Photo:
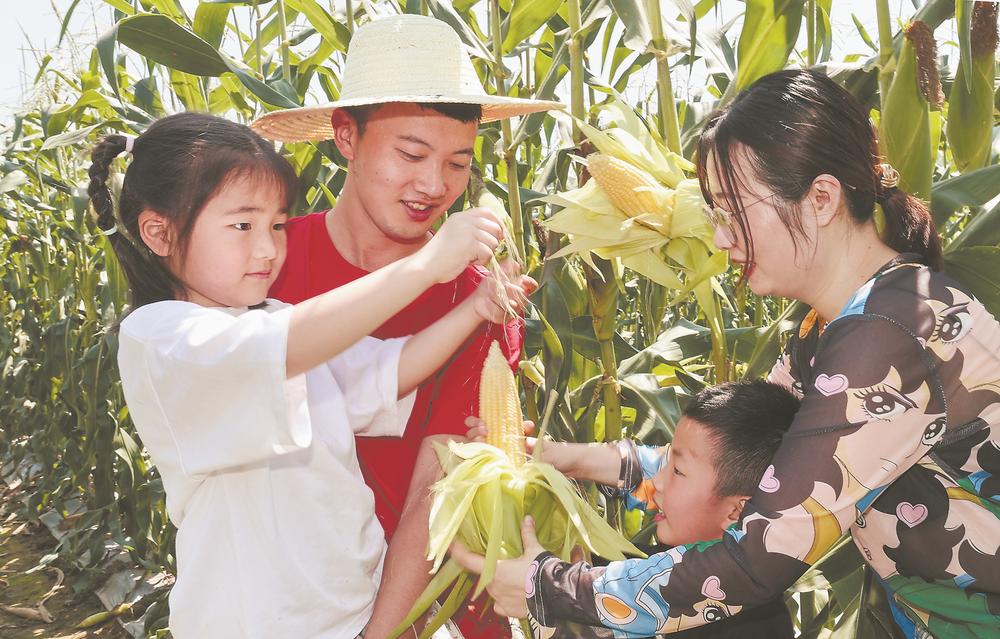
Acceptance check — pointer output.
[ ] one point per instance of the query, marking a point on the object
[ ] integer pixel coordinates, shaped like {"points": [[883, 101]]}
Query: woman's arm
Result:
{"points": [[861, 426]]}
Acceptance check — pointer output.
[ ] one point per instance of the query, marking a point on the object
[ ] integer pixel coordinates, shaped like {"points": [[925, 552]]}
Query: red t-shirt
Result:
{"points": [[314, 266]]}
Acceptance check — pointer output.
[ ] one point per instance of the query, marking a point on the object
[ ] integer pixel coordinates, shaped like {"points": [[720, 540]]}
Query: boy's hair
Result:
{"points": [[456, 111], [178, 164], [745, 421]]}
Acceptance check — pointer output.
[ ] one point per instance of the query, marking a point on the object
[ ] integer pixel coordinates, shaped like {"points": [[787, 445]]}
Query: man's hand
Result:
{"points": [[499, 298], [510, 582]]}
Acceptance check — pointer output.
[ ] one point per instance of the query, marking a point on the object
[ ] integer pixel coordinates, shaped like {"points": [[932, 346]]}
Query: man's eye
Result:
{"points": [[409, 157], [459, 166], [242, 226]]}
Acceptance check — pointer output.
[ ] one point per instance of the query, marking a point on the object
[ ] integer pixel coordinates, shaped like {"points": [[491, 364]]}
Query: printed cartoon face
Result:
{"points": [[951, 323], [883, 401], [707, 611]]}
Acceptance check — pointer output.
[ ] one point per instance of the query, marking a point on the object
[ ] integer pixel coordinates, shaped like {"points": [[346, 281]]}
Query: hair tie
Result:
{"points": [[108, 232], [888, 179], [129, 143]]}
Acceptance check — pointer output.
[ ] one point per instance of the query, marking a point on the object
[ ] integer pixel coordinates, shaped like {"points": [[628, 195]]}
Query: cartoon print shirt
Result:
{"points": [[897, 441]]}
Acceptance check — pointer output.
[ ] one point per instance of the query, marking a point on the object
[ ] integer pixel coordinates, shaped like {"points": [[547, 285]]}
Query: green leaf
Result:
{"points": [[210, 22], [963, 20], [69, 137], [162, 40], [770, 30], [526, 18], [13, 180], [970, 189], [332, 31], [632, 14], [978, 267]]}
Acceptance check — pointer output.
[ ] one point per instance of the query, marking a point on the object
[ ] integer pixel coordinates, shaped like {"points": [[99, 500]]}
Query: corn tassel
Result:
{"points": [[500, 406], [632, 190]]}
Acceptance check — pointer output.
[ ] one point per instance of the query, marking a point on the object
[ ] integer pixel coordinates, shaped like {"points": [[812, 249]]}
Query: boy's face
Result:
{"points": [[407, 168], [690, 511]]}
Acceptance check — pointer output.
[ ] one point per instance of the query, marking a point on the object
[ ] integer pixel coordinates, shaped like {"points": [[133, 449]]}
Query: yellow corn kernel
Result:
{"points": [[632, 190], [500, 406]]}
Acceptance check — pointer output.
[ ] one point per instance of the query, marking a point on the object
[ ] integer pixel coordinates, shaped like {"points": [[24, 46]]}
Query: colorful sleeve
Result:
{"points": [[871, 396], [638, 465]]}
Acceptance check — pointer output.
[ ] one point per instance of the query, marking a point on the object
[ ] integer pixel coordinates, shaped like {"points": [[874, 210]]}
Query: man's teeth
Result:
{"points": [[418, 207]]}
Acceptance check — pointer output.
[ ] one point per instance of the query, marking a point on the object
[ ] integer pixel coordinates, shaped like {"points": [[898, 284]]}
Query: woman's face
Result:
{"points": [[773, 267]]}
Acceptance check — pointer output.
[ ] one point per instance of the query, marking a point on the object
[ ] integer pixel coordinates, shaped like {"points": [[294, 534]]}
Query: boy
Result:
{"points": [[721, 449]]}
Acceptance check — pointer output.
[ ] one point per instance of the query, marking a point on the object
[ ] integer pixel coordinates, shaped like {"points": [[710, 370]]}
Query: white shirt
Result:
{"points": [[277, 535]]}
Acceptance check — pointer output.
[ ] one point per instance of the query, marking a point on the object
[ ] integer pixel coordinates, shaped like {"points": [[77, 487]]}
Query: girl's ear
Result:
{"points": [[346, 133], [156, 232]]}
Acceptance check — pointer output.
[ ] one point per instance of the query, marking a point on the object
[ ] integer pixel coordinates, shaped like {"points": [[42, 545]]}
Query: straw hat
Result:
{"points": [[405, 58]]}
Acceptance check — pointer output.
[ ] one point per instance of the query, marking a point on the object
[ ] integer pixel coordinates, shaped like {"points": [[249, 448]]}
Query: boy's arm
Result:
{"points": [[406, 570], [600, 463]]}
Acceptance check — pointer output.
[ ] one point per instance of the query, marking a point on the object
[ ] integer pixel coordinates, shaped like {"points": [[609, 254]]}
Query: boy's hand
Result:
{"points": [[477, 431], [469, 237]]}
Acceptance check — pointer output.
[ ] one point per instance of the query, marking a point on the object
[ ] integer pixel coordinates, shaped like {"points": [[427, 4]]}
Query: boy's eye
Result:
{"points": [[678, 472], [242, 226]]}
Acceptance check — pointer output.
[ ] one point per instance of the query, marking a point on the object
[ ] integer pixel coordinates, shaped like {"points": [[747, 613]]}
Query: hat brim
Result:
{"points": [[312, 123]]}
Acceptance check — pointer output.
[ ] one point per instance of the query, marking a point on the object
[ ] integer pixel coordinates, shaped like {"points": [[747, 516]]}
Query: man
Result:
{"points": [[406, 123]]}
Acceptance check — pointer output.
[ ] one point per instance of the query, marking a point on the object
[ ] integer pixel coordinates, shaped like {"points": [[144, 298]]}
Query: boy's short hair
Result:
{"points": [[461, 112], [745, 421]]}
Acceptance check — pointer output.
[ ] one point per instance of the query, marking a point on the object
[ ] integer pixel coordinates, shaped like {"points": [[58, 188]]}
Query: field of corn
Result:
{"points": [[636, 311]]}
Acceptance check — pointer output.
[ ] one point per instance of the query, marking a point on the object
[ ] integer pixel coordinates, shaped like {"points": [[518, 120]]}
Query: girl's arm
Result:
{"points": [[322, 327], [429, 349]]}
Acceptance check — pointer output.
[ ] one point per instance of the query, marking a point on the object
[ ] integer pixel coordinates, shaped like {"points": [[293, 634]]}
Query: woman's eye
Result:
{"points": [[883, 402], [242, 226]]}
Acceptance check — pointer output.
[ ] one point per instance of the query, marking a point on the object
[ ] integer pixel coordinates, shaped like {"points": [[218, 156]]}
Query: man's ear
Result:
{"points": [[346, 133], [826, 195], [156, 232], [734, 508]]}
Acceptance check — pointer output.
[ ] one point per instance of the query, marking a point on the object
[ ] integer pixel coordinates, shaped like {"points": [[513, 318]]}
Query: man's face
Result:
{"points": [[690, 511], [408, 167]]}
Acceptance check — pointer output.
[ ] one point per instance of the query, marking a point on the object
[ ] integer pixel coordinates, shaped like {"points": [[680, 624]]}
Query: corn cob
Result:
{"points": [[500, 406], [970, 106], [630, 189]]}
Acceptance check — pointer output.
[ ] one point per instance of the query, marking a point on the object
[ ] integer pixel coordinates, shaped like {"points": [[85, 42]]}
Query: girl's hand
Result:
{"points": [[499, 298], [510, 580], [469, 237], [477, 431]]}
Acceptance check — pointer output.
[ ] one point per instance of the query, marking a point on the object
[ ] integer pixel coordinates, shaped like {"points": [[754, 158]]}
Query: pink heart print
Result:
{"points": [[911, 515], [529, 581], [712, 588], [769, 483], [831, 385]]}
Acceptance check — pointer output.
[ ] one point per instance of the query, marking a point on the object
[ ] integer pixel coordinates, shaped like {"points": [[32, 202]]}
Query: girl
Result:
{"points": [[897, 441], [248, 406]]}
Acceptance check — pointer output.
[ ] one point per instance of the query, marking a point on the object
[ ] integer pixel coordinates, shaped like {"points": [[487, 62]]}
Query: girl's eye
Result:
{"points": [[242, 226], [280, 226]]}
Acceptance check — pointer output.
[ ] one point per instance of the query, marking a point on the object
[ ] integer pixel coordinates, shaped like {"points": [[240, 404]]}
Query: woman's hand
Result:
{"points": [[465, 238], [510, 582]]}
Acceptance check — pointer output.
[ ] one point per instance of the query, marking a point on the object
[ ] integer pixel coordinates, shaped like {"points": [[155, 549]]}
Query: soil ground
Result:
{"points": [[21, 547]]}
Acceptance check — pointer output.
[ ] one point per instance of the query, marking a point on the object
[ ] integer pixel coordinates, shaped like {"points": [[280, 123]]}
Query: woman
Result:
{"points": [[897, 440]]}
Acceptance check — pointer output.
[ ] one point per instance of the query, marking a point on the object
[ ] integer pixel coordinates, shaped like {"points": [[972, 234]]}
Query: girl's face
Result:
{"points": [[237, 245], [773, 268]]}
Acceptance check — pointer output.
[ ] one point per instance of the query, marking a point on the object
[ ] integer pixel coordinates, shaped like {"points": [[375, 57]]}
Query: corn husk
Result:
{"points": [[481, 502]]}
